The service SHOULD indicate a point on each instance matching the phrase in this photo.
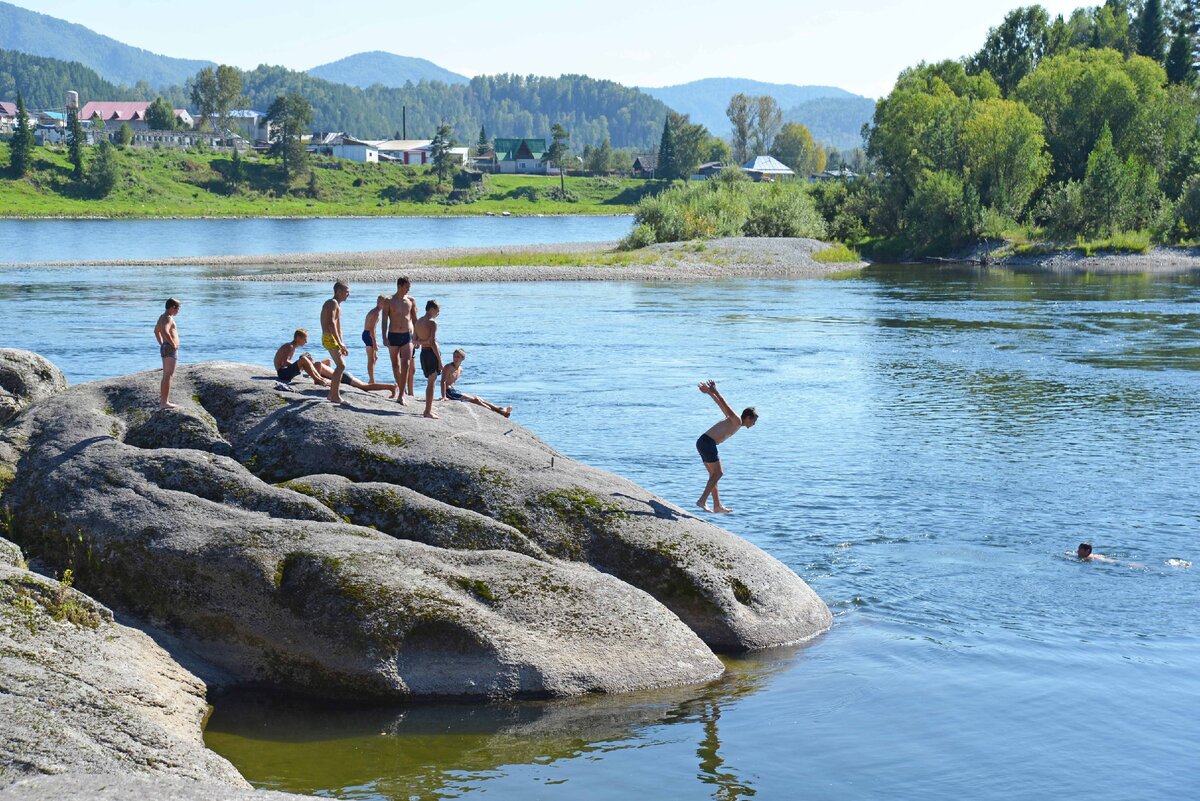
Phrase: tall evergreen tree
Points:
(1180, 57)
(560, 153)
(1106, 187)
(1151, 32)
(666, 151)
(484, 144)
(289, 116)
(75, 144)
(439, 149)
(21, 146)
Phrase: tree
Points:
(1180, 62)
(204, 95)
(740, 117)
(440, 155)
(103, 174)
(599, 159)
(768, 119)
(1004, 153)
(690, 145)
(160, 116)
(942, 214)
(229, 92)
(1106, 187)
(124, 135)
(75, 144)
(1013, 49)
(237, 170)
(560, 153)
(666, 151)
(289, 116)
(21, 146)
(484, 144)
(1151, 33)
(794, 146)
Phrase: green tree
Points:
(75, 145)
(942, 214)
(1106, 187)
(599, 159)
(1013, 49)
(204, 96)
(718, 150)
(1181, 57)
(768, 119)
(666, 151)
(1004, 153)
(741, 117)
(1113, 28)
(124, 135)
(21, 146)
(795, 147)
(483, 145)
(560, 153)
(692, 144)
(160, 116)
(103, 174)
(289, 116)
(440, 155)
(237, 171)
(1151, 31)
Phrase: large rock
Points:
(24, 378)
(363, 550)
(132, 787)
(80, 693)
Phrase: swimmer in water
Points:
(1084, 552)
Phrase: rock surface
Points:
(363, 550)
(24, 378)
(80, 693)
(132, 787)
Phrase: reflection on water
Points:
(431, 750)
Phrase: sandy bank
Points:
(681, 261)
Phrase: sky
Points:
(859, 45)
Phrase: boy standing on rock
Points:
(331, 337)
(709, 440)
(450, 374)
(368, 335)
(425, 335)
(398, 319)
(166, 333)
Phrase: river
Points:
(933, 443)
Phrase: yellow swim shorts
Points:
(328, 341)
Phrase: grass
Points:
(1120, 242)
(837, 254)
(171, 183)
(549, 259)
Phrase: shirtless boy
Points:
(425, 335)
(167, 335)
(325, 369)
(709, 440)
(368, 335)
(286, 369)
(331, 337)
(397, 321)
(451, 373)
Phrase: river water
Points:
(933, 443)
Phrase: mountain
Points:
(705, 100)
(44, 82)
(386, 69)
(40, 35)
(506, 105)
(836, 121)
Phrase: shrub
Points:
(1062, 211)
(941, 215)
(783, 211)
(1187, 210)
(640, 237)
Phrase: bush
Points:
(941, 215)
(641, 236)
(1062, 212)
(1187, 211)
(783, 211)
(722, 208)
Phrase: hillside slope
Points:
(387, 69)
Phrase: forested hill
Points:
(41, 35)
(386, 69)
(44, 82)
(836, 121)
(705, 100)
(506, 105)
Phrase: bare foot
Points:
(168, 405)
(506, 411)
(702, 506)
(722, 510)
(322, 382)
(432, 416)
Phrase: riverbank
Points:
(1157, 260)
(580, 261)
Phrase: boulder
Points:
(134, 787)
(363, 550)
(24, 378)
(81, 693)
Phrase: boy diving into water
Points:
(709, 440)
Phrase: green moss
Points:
(740, 591)
(496, 477)
(381, 436)
(477, 588)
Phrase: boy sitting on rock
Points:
(451, 373)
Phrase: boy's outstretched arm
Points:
(710, 388)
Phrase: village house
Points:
(767, 168)
(644, 165)
(8, 115)
(130, 112)
(524, 156)
(708, 169)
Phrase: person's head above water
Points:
(1084, 551)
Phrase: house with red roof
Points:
(132, 112)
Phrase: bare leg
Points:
(372, 386)
(164, 390)
(714, 475)
(306, 364)
(430, 383)
(397, 371)
(372, 355)
(335, 380)
(405, 379)
(506, 410)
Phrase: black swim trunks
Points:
(453, 394)
(288, 372)
(429, 362)
(347, 379)
(368, 338)
(707, 447)
(399, 340)
(168, 351)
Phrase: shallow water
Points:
(137, 240)
(933, 444)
